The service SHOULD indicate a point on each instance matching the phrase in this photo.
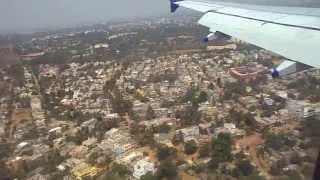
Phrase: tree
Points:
(189, 116)
(242, 119)
(203, 97)
(148, 176)
(54, 158)
(103, 160)
(190, 147)
(233, 90)
(145, 138)
(204, 150)
(178, 138)
(276, 168)
(150, 114)
(240, 156)
(164, 152)
(279, 141)
(196, 99)
(221, 148)
(92, 157)
(134, 128)
(219, 82)
(4, 171)
(167, 169)
(245, 167)
(253, 176)
(199, 168)
(294, 175)
(274, 141)
(211, 86)
(163, 128)
(311, 126)
(307, 169)
(119, 169)
(295, 159)
(307, 86)
(250, 121)
(191, 92)
(111, 176)
(167, 104)
(119, 104)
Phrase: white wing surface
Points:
(292, 32)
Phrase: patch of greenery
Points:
(164, 152)
(167, 170)
(278, 141)
(190, 147)
(221, 150)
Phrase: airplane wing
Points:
(291, 32)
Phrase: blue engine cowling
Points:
(216, 36)
(275, 73)
(288, 67)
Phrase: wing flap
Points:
(306, 21)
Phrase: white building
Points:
(302, 109)
(101, 45)
(228, 128)
(142, 167)
(190, 133)
(113, 116)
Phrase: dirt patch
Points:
(185, 176)
(18, 116)
(8, 56)
(252, 142)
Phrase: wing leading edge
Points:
(287, 31)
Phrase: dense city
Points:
(149, 100)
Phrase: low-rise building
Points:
(246, 73)
(229, 128)
(190, 133)
(84, 171)
(130, 158)
(164, 138)
(118, 142)
(221, 46)
(142, 167)
(158, 121)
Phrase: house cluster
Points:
(124, 150)
(75, 118)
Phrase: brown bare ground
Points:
(18, 116)
(185, 176)
(252, 142)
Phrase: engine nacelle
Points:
(288, 67)
(174, 6)
(210, 37)
(216, 36)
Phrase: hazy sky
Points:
(21, 15)
(25, 14)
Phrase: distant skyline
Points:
(27, 16)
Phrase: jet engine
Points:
(288, 67)
(216, 35)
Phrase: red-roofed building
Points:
(31, 56)
(246, 73)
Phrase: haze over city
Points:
(33, 15)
